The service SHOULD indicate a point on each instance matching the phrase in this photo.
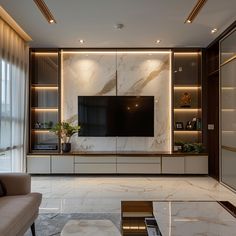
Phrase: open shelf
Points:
(44, 99)
(187, 97)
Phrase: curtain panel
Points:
(13, 93)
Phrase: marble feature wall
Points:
(147, 75)
(87, 75)
(138, 74)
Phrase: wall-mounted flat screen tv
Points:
(127, 116)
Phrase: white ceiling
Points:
(144, 22)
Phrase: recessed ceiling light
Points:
(119, 26)
(158, 41)
(214, 30)
(81, 41)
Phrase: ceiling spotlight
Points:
(119, 26)
(158, 41)
(196, 9)
(81, 41)
(214, 30)
(45, 11)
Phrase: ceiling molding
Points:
(14, 25)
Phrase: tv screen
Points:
(101, 116)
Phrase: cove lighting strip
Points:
(170, 101)
(187, 88)
(116, 52)
(44, 88)
(45, 53)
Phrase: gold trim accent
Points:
(232, 149)
(14, 25)
(196, 9)
(229, 60)
(45, 11)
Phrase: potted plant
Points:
(65, 131)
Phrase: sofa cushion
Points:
(16, 212)
(2, 190)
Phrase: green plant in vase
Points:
(65, 130)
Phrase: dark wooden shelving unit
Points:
(44, 99)
(187, 79)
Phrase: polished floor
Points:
(103, 194)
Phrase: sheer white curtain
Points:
(13, 82)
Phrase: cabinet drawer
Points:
(39, 164)
(84, 168)
(95, 159)
(138, 159)
(129, 168)
(62, 164)
(173, 165)
(196, 164)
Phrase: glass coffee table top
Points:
(179, 218)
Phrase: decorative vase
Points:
(66, 147)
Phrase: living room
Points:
(117, 118)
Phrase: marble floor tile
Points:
(103, 194)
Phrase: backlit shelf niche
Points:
(187, 83)
(44, 101)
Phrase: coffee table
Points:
(90, 228)
(185, 218)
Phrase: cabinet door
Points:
(95, 168)
(128, 168)
(62, 164)
(196, 164)
(173, 165)
(228, 109)
(38, 164)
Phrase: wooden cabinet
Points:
(196, 165)
(173, 165)
(117, 164)
(39, 164)
(62, 164)
(95, 164)
(138, 165)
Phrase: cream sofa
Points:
(19, 207)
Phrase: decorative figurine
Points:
(189, 125)
(185, 100)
